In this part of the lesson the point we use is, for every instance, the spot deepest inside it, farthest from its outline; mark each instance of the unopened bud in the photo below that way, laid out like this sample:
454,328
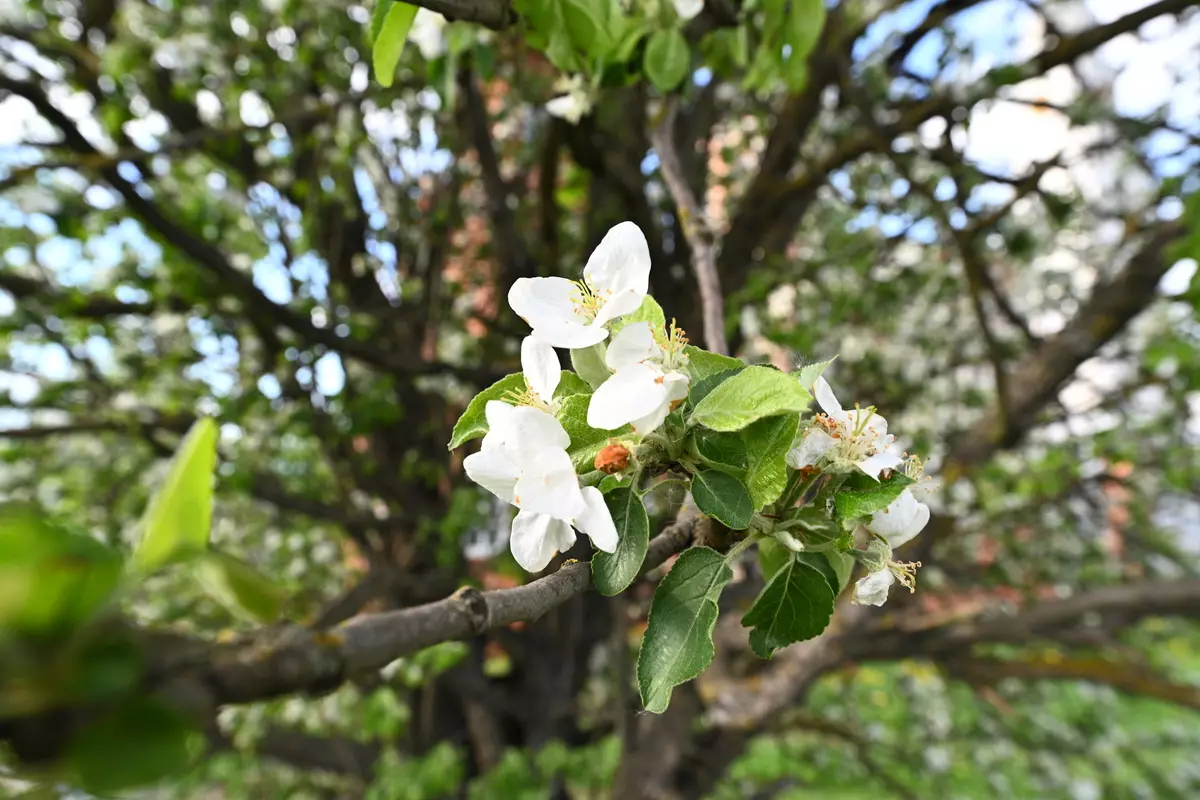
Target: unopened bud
612,459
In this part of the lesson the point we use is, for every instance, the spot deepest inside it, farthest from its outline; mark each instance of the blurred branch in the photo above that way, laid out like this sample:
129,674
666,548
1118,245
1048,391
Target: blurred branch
1135,679
696,228
337,755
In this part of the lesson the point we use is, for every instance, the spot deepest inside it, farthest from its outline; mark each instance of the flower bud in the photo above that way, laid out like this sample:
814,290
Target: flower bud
612,459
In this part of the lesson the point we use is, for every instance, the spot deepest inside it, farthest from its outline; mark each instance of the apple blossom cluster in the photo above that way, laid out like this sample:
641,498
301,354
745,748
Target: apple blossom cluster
524,459
840,441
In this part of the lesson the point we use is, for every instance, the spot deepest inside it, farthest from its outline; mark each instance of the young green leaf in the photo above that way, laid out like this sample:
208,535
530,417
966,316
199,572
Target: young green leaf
752,394
586,441
723,451
239,587
702,363
810,372
702,388
50,578
588,362
667,59
586,22
772,556
613,572
649,311
678,642
382,7
802,28
862,495
723,497
842,565
178,520
389,43
767,443
473,422
796,605
569,383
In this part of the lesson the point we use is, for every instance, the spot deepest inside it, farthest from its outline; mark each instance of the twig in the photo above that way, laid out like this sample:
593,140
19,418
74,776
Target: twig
696,229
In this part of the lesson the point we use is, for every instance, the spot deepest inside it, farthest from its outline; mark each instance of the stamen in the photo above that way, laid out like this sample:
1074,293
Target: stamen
906,573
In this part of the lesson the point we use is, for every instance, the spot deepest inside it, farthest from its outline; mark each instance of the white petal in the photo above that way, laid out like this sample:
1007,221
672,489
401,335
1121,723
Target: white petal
542,369
688,9
596,521
873,589
495,471
548,485
570,107
824,394
545,302
535,539
677,385
815,444
632,344
426,32
632,393
619,304
902,520
571,335
873,465
523,431
620,264
652,421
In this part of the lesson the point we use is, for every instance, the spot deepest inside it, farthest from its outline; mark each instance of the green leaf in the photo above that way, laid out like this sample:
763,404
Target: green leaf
473,422
613,572
139,742
667,59
649,311
588,362
50,578
796,605
239,587
179,518
802,28
724,497
772,556
382,7
752,394
767,443
587,25
725,451
610,483
702,363
569,383
678,642
586,441
703,388
389,43
842,565
862,495
810,373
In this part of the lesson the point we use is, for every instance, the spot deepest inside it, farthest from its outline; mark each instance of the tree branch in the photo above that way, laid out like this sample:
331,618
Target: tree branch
696,228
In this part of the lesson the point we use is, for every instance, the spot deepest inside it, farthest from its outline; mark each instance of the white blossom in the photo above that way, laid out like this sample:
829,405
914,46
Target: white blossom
845,439
524,462
428,33
873,589
575,102
903,519
688,9
647,382
573,314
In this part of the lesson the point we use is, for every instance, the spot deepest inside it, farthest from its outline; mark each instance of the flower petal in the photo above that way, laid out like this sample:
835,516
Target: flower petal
548,485
824,394
873,465
631,394
544,302
535,539
596,521
523,431
620,264
495,471
541,366
619,304
873,589
632,344
815,444
571,335
902,520
677,385
688,9
652,421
